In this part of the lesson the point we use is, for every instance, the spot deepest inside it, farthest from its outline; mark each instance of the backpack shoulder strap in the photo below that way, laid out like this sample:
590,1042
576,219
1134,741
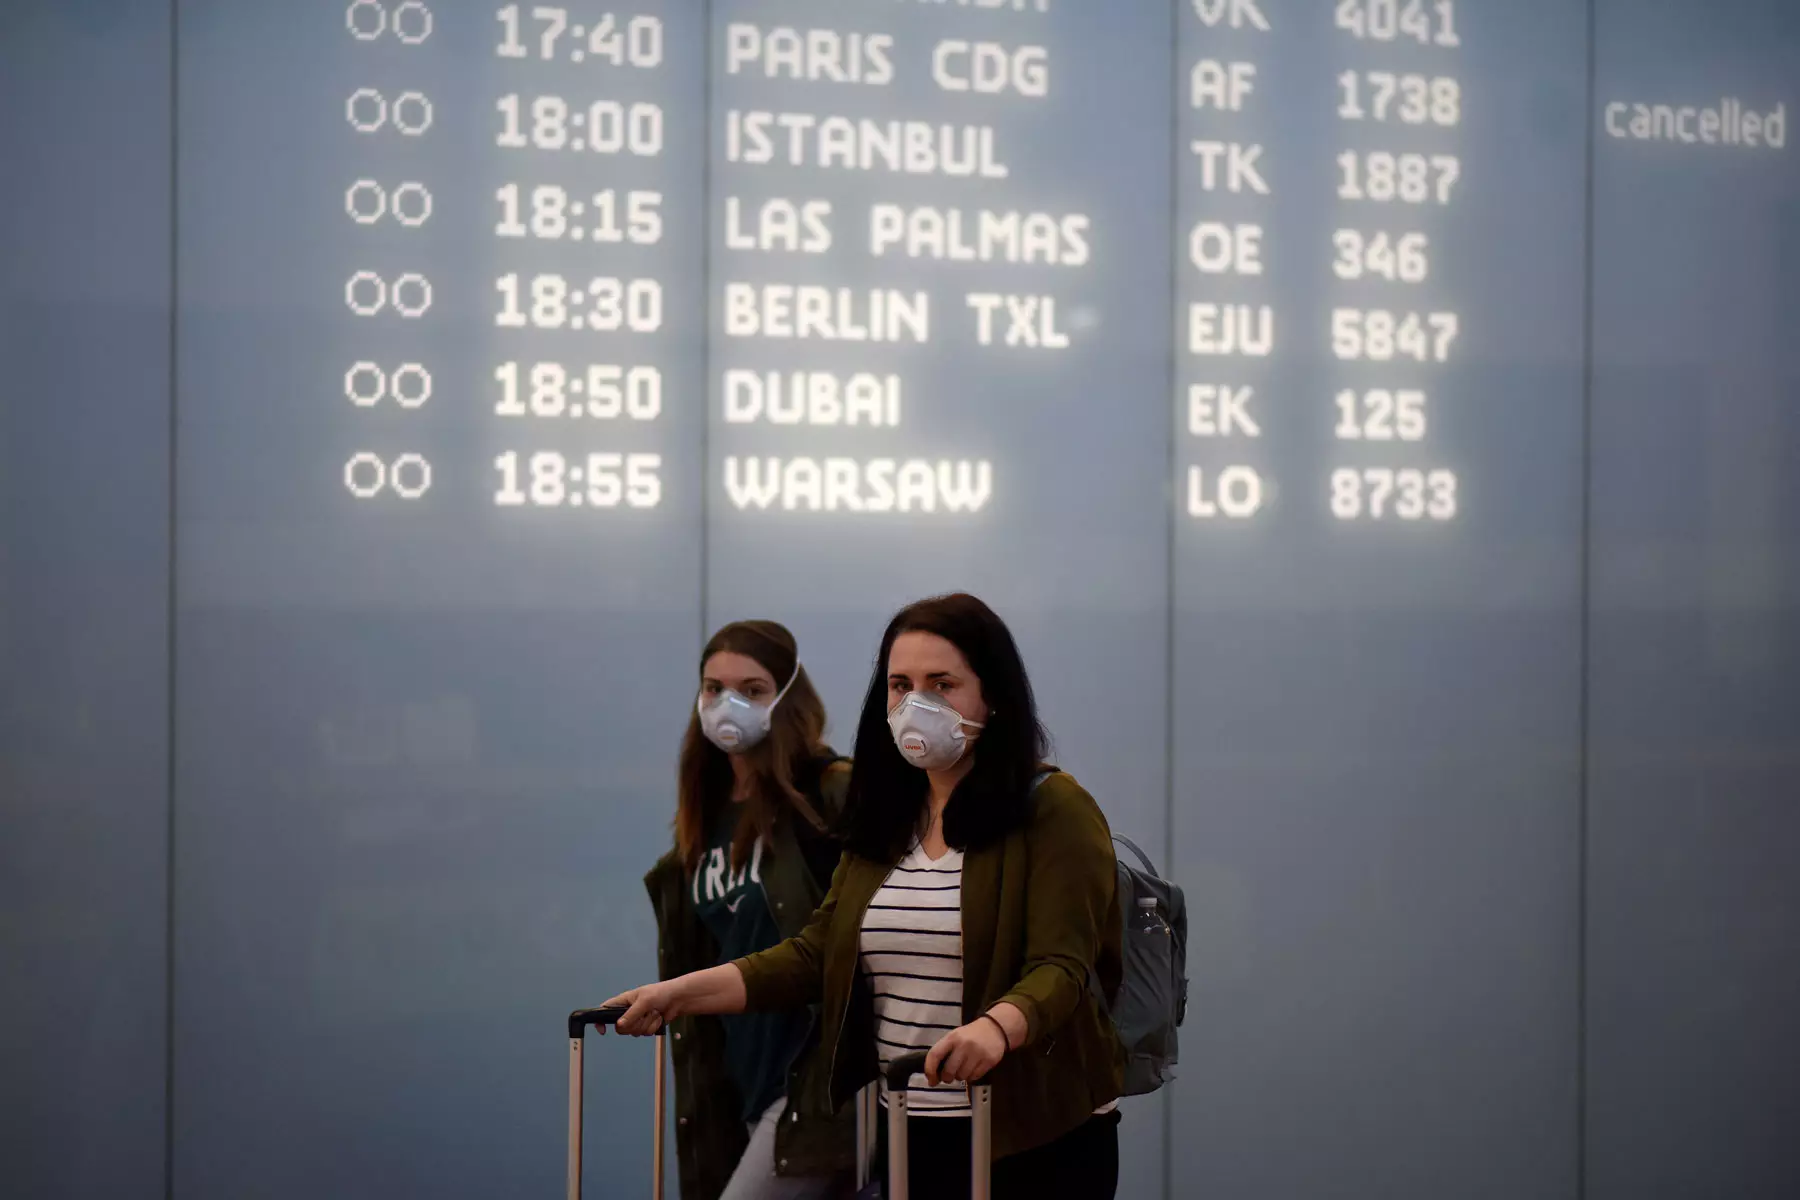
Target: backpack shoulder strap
833,784
1137,850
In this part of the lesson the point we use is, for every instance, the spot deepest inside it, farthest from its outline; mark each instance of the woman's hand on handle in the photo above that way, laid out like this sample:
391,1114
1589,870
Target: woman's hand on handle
700,993
648,1009
967,1054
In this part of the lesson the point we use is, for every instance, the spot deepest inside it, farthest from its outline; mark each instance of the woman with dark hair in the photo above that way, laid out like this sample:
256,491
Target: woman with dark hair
975,901
757,792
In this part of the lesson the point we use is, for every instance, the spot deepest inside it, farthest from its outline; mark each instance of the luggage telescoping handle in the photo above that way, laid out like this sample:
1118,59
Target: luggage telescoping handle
981,1129
580,1021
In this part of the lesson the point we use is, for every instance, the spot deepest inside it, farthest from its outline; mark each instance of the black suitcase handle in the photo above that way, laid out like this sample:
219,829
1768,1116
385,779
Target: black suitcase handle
902,1069
582,1018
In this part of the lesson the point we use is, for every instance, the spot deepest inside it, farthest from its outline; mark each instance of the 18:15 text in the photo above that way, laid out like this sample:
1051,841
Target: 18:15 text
610,216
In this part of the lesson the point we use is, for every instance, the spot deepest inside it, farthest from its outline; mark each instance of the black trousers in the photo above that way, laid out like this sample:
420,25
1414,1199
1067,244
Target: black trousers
1082,1164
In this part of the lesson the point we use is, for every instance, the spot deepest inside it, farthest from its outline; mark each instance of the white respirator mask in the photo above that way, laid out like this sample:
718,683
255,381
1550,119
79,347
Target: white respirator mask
733,722
928,732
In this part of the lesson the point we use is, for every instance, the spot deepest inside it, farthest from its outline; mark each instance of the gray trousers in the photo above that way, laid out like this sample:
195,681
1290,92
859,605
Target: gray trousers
755,1177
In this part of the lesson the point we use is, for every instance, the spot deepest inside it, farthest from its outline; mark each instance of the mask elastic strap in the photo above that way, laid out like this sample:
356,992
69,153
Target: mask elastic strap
700,703
785,687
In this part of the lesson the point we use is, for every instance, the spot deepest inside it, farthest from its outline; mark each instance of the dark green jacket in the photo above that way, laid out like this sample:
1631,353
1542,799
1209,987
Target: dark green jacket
1039,909
709,1128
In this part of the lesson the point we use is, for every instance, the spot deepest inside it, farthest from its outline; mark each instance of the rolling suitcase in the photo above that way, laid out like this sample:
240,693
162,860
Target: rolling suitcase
981,1129
580,1021
899,1073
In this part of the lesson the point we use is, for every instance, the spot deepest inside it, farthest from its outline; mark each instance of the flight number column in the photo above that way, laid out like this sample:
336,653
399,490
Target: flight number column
576,219
1392,336
1228,327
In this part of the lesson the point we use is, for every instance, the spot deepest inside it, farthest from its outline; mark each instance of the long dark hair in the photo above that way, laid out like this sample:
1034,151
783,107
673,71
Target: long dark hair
887,794
796,736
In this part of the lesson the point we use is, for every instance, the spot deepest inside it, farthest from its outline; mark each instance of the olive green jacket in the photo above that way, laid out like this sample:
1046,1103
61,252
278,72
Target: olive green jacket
709,1130
1040,909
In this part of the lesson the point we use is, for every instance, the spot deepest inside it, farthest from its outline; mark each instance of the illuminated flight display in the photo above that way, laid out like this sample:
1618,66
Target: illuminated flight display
622,274
1335,290
490,318
1396,178
860,249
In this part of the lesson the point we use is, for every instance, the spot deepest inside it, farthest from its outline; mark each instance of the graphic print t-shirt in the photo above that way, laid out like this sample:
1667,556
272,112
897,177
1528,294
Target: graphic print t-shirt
731,903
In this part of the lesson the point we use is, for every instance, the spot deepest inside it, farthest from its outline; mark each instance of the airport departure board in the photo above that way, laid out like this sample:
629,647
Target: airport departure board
515,294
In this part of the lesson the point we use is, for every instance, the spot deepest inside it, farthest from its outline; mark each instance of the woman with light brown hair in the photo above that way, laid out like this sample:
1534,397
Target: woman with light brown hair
758,793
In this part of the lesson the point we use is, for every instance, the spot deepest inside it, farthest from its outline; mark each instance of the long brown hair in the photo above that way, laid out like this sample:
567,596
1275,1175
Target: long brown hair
887,793
796,735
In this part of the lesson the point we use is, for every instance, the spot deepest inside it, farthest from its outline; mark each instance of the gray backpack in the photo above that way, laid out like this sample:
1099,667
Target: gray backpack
1152,997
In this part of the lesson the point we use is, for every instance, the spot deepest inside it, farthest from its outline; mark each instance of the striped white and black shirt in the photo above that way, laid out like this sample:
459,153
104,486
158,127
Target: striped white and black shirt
912,954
